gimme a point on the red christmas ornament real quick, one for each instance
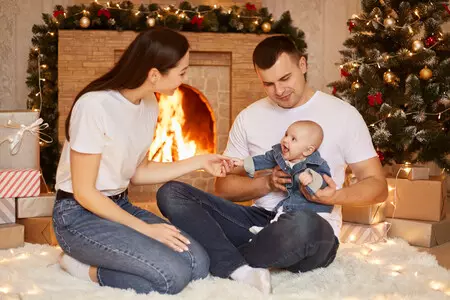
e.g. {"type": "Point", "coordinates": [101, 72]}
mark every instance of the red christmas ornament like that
{"type": "Point", "coordinates": [334, 90]}
{"type": "Point", "coordinates": [446, 7]}
{"type": "Point", "coordinates": [104, 12]}
{"type": "Point", "coordinates": [57, 13]}
{"type": "Point", "coordinates": [430, 41]}
{"type": "Point", "coordinates": [375, 99]}
{"type": "Point", "coordinates": [250, 6]}
{"type": "Point", "coordinates": [351, 25]}
{"type": "Point", "coordinates": [197, 20]}
{"type": "Point", "coordinates": [344, 73]}
{"type": "Point", "coordinates": [380, 155]}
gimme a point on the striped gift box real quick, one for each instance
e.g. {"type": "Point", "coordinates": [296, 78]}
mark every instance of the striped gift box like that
{"type": "Point", "coordinates": [7, 211]}
{"type": "Point", "coordinates": [361, 234]}
{"type": "Point", "coordinates": [19, 183]}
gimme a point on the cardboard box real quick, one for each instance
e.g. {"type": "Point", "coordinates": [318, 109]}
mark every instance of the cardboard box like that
{"type": "Point", "coordinates": [370, 214]}
{"type": "Point", "coordinates": [28, 155]}
{"type": "Point", "coordinates": [11, 236]}
{"type": "Point", "coordinates": [40, 206]}
{"type": "Point", "coordinates": [361, 234]}
{"type": "Point", "coordinates": [39, 230]}
{"type": "Point", "coordinates": [7, 210]}
{"type": "Point", "coordinates": [423, 200]}
{"type": "Point", "coordinates": [411, 172]}
{"type": "Point", "coordinates": [421, 233]}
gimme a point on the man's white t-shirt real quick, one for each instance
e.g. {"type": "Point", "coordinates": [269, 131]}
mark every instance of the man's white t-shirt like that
{"type": "Point", "coordinates": [346, 138]}
{"type": "Point", "coordinates": [106, 123]}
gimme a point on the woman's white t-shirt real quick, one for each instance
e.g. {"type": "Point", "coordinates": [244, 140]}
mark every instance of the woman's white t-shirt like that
{"type": "Point", "coordinates": [106, 123]}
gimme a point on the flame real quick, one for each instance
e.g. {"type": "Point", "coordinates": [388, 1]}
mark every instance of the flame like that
{"type": "Point", "coordinates": [169, 144]}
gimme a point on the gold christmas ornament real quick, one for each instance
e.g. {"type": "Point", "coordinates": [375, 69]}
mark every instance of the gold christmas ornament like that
{"type": "Point", "coordinates": [390, 77]}
{"type": "Point", "coordinates": [425, 73]}
{"type": "Point", "coordinates": [356, 86]}
{"type": "Point", "coordinates": [389, 22]}
{"type": "Point", "coordinates": [151, 22]}
{"type": "Point", "coordinates": [85, 22]}
{"type": "Point", "coordinates": [417, 46]}
{"type": "Point", "coordinates": [266, 27]}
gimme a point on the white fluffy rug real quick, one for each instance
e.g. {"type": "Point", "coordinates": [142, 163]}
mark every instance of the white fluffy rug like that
{"type": "Point", "coordinates": [392, 270]}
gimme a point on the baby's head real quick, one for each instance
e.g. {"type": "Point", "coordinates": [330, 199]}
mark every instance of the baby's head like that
{"type": "Point", "coordinates": [301, 139]}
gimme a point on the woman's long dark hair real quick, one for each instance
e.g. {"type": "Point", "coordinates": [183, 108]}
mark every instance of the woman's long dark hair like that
{"type": "Point", "coordinates": [159, 48]}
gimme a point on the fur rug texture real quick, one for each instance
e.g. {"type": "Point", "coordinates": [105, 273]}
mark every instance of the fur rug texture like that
{"type": "Point", "coordinates": [391, 270]}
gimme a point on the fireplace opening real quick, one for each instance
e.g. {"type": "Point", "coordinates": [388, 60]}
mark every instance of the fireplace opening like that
{"type": "Point", "coordinates": [186, 126]}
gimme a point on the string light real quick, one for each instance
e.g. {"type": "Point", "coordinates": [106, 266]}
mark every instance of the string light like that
{"type": "Point", "coordinates": [411, 113]}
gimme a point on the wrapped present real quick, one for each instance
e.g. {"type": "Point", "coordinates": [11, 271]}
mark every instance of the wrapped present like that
{"type": "Point", "coordinates": [369, 214]}
{"type": "Point", "coordinates": [19, 140]}
{"type": "Point", "coordinates": [361, 234]}
{"type": "Point", "coordinates": [40, 206]}
{"type": "Point", "coordinates": [417, 200]}
{"type": "Point", "coordinates": [410, 171]}
{"type": "Point", "coordinates": [12, 236]}
{"type": "Point", "coordinates": [7, 210]}
{"type": "Point", "coordinates": [39, 230]}
{"type": "Point", "coordinates": [20, 183]}
{"type": "Point", "coordinates": [421, 233]}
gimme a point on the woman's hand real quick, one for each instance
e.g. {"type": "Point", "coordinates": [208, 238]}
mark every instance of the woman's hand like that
{"type": "Point", "coordinates": [167, 234]}
{"type": "Point", "coordinates": [216, 164]}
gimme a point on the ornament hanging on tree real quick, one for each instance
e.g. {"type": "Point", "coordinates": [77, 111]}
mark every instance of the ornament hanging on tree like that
{"type": "Point", "coordinates": [425, 73]}
{"type": "Point", "coordinates": [380, 155]}
{"type": "Point", "coordinates": [344, 73]}
{"type": "Point", "coordinates": [430, 41]}
{"type": "Point", "coordinates": [104, 12]}
{"type": "Point", "coordinates": [356, 86]}
{"type": "Point", "coordinates": [390, 78]}
{"type": "Point", "coordinates": [417, 46]}
{"type": "Point", "coordinates": [239, 26]}
{"type": "Point", "coordinates": [85, 22]}
{"type": "Point", "coordinates": [351, 25]}
{"type": "Point", "coordinates": [266, 27]}
{"type": "Point", "coordinates": [334, 90]}
{"type": "Point", "coordinates": [151, 22]}
{"type": "Point", "coordinates": [389, 22]}
{"type": "Point", "coordinates": [112, 22]}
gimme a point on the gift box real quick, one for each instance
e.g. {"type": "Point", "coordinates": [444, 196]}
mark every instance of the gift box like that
{"type": "Point", "coordinates": [361, 234]}
{"type": "Point", "coordinates": [19, 183]}
{"type": "Point", "coordinates": [370, 214]}
{"type": "Point", "coordinates": [7, 210]}
{"type": "Point", "coordinates": [423, 200]}
{"type": "Point", "coordinates": [421, 233]}
{"type": "Point", "coordinates": [11, 236]}
{"type": "Point", "coordinates": [39, 230]}
{"type": "Point", "coordinates": [411, 172]}
{"type": "Point", "coordinates": [40, 206]}
{"type": "Point", "coordinates": [19, 148]}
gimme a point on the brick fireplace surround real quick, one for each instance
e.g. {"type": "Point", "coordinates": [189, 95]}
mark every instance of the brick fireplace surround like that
{"type": "Point", "coordinates": [221, 68]}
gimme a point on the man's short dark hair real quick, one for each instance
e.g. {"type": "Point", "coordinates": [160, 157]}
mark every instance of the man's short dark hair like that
{"type": "Point", "coordinates": [269, 50]}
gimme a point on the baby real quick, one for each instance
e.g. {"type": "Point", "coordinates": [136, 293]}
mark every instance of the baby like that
{"type": "Point", "coordinates": [297, 156]}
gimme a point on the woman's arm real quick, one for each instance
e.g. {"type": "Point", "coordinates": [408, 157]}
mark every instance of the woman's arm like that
{"type": "Point", "coordinates": [150, 172]}
{"type": "Point", "coordinates": [84, 171]}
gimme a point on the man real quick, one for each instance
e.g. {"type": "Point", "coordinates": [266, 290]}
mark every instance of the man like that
{"type": "Point", "coordinates": [299, 241]}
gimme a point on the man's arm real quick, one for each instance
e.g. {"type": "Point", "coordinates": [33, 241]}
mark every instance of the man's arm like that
{"type": "Point", "coordinates": [371, 188]}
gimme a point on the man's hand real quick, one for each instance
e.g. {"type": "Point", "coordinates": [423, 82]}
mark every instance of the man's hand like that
{"type": "Point", "coordinates": [278, 179]}
{"type": "Point", "coordinates": [323, 196]}
{"type": "Point", "coordinates": [305, 178]}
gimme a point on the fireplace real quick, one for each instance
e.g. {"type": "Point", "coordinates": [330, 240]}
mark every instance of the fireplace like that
{"type": "Point", "coordinates": [186, 126]}
{"type": "Point", "coordinates": [220, 82]}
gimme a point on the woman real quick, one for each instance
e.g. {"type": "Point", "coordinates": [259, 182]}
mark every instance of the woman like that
{"type": "Point", "coordinates": [109, 130]}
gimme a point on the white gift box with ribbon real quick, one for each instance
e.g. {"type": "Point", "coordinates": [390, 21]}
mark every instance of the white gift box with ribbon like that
{"type": "Point", "coordinates": [19, 139]}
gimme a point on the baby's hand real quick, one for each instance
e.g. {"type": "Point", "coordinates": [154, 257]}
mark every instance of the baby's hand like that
{"type": "Point", "coordinates": [305, 178]}
{"type": "Point", "coordinates": [238, 162]}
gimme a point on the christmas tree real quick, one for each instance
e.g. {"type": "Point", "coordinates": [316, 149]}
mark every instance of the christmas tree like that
{"type": "Point", "coordinates": [396, 72]}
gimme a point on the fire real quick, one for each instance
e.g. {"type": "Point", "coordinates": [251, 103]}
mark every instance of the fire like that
{"type": "Point", "coordinates": [169, 144]}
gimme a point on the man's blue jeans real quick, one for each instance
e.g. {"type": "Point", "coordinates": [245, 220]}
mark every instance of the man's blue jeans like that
{"type": "Point", "coordinates": [298, 242]}
{"type": "Point", "coordinates": [126, 258]}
